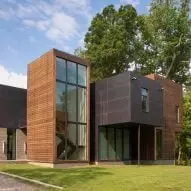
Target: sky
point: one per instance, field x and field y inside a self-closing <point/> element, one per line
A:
<point x="29" y="28"/>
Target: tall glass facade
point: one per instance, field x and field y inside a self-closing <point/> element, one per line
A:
<point x="71" y="137"/>
<point x="114" y="144"/>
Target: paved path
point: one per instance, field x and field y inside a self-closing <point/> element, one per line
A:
<point x="11" y="184"/>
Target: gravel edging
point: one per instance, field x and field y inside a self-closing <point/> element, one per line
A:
<point x="32" y="181"/>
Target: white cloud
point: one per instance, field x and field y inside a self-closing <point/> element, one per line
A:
<point x="6" y="15"/>
<point x="58" y="30"/>
<point x="58" y="19"/>
<point x="39" y="24"/>
<point x="135" y="3"/>
<point x="12" y="78"/>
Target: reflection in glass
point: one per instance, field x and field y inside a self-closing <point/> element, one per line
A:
<point x="111" y="143"/>
<point x="82" y="105"/>
<point x="60" y="96"/>
<point x="60" y="69"/>
<point x="81" y="142"/>
<point x="60" y="145"/>
<point x="126" y="144"/>
<point x="82" y="75"/>
<point x="158" y="144"/>
<point x="70" y="135"/>
<point x="72" y="72"/>
<point x="119" y="144"/>
<point x="71" y="103"/>
<point x="144" y="100"/>
<point x="103" y="144"/>
<point x="71" y="142"/>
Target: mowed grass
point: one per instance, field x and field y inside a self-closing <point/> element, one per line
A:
<point x="112" y="178"/>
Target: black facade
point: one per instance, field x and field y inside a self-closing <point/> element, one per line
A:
<point x="13" y="106"/>
<point x="116" y="102"/>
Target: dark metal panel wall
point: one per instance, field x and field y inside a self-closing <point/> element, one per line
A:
<point x="112" y="99"/>
<point x="155" y="114"/>
<point x="12" y="106"/>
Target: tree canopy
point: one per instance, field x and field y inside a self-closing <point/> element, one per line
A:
<point x="159" y="42"/>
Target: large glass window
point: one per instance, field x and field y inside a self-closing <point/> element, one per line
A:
<point x="71" y="142"/>
<point x="81" y="75"/>
<point x="82" y="105"/>
<point x="71" y="103"/>
<point x="119" y="150"/>
<point x="60" y="69"/>
<point x="61" y="146"/>
<point x="103" y="154"/>
<point x="145" y="100"/>
<point x="126" y="144"/>
<point x="71" y="138"/>
<point x="72" y="72"/>
<point x="111" y="141"/>
<point x="82" y="142"/>
<point x="114" y="144"/>
<point x="60" y="96"/>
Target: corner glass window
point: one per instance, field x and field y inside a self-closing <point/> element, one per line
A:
<point x="60" y="69"/>
<point x="82" y="75"/>
<point x="145" y="100"/>
<point x="72" y="72"/>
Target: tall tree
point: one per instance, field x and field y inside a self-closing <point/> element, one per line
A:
<point x="184" y="138"/>
<point x="185" y="7"/>
<point x="110" y="40"/>
<point x="168" y="43"/>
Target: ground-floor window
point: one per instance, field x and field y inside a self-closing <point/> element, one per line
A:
<point x="158" y="144"/>
<point x="11" y="144"/>
<point x="114" y="143"/>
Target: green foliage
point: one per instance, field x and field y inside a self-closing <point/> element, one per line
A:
<point x="158" y="43"/>
<point x="110" y="40"/>
<point x="166" y="32"/>
<point x="184" y="138"/>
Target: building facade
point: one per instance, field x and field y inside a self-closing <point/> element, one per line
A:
<point x="135" y="118"/>
<point x="13" y="132"/>
<point x="126" y="118"/>
<point x="58" y="109"/>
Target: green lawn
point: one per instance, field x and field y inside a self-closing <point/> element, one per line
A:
<point x="114" y="178"/>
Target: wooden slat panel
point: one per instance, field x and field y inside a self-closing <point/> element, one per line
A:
<point x="40" y="110"/>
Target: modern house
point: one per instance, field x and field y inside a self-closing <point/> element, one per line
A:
<point x="126" y="118"/>
<point x="135" y="118"/>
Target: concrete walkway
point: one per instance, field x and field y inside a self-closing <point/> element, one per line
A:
<point x="11" y="184"/>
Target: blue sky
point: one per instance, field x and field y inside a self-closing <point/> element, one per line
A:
<point x="29" y="28"/>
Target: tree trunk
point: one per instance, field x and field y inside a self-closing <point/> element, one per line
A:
<point x="179" y="154"/>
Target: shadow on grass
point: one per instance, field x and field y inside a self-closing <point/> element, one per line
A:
<point x="61" y="177"/>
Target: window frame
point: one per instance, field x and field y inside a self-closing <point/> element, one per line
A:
<point x="77" y="122"/>
<point x="147" y="100"/>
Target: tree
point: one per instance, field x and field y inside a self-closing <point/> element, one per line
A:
<point x="184" y="138"/>
<point x="168" y="43"/>
<point x="110" y="41"/>
<point x="157" y="44"/>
